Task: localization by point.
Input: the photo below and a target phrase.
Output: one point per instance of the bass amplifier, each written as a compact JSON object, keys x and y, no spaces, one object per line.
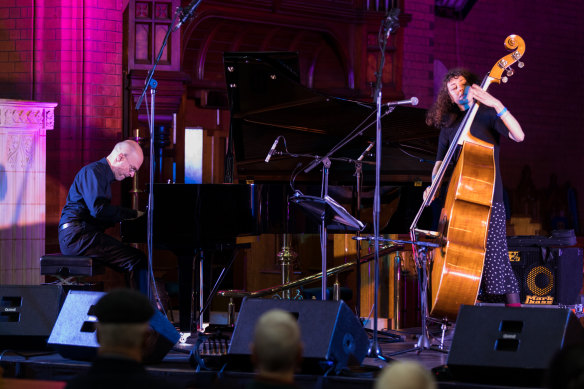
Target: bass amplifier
{"x":548,"y":271}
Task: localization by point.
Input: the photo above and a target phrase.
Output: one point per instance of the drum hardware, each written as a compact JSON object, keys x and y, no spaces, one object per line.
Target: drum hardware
{"x":444,"y":324}
{"x":397,"y":281}
{"x":297,"y":295}
{"x":287,"y":258}
{"x":214,"y":290}
{"x":397,"y":297}
{"x":424,"y":341}
{"x":135,"y":192}
{"x":336,"y":288}
{"x":231,"y":312}
{"x":233,"y":293}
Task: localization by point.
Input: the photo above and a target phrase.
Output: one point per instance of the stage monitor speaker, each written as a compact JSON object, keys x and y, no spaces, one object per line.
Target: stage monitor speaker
{"x":511,"y":346}
{"x":330,"y":331}
{"x":74,"y":333}
{"x":27,"y":315}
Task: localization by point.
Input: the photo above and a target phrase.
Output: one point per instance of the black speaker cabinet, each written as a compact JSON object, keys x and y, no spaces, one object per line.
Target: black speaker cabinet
{"x":74,"y":335}
{"x":27,"y":315}
{"x":547,"y":275}
{"x":330,"y":331}
{"x":511,"y":346}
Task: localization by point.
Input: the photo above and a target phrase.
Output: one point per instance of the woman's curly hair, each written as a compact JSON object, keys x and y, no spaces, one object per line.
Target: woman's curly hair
{"x":443,"y":112}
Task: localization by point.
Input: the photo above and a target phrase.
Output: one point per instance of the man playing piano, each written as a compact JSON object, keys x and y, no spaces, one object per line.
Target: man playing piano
{"x":88,"y":212}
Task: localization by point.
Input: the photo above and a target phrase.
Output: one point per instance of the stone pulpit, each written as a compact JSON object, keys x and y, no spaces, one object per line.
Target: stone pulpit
{"x":23,"y":126}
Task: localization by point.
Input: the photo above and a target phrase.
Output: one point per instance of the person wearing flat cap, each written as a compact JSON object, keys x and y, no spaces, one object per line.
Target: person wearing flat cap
{"x":122,"y":330}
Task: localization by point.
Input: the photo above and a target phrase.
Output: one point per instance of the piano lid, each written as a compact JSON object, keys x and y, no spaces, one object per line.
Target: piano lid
{"x":267,"y":100}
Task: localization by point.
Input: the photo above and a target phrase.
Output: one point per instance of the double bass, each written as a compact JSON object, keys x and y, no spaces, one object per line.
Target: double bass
{"x":457,"y":264}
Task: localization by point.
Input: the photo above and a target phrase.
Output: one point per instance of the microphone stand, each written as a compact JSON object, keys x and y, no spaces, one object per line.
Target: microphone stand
{"x":325,"y":160}
{"x":151,"y":83}
{"x":385,"y":30}
{"x":358,"y":174}
{"x":357,"y":131}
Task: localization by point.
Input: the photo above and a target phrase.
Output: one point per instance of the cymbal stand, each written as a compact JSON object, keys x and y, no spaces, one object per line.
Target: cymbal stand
{"x":286,"y":257}
{"x":326,"y":164}
{"x":358,"y":178}
{"x":397,"y":296}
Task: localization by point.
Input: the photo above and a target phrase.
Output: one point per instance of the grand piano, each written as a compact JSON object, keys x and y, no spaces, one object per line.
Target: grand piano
{"x":266,"y":101}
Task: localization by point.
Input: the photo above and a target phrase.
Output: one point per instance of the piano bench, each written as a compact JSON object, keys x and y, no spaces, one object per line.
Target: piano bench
{"x":70,"y":269}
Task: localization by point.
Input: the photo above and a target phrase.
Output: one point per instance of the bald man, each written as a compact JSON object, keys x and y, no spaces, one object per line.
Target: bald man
{"x":276,"y":350}
{"x":88,"y":212}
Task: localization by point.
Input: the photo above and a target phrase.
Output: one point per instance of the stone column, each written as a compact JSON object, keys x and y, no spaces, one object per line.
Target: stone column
{"x":23,"y":126}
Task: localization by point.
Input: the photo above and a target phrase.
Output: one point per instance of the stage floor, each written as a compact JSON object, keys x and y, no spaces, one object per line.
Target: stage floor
{"x":177,"y":367}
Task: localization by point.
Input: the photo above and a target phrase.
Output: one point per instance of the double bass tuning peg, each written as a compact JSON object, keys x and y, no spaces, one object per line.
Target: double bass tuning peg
{"x":510,"y":72}
{"x":520,"y":64}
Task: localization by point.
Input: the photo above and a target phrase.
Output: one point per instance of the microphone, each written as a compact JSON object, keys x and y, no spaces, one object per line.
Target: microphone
{"x":412,"y":101}
{"x":391,"y":22}
{"x":368,"y":149}
{"x":187,"y":13}
{"x":271,"y":152}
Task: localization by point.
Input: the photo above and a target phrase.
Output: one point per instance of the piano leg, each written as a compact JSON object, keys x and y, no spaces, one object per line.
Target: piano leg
{"x":190,"y":273}
{"x":186,"y":301}
{"x":201,"y":293}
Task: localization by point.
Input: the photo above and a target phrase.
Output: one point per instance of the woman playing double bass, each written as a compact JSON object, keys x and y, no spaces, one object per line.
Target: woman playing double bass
{"x":459,"y":89}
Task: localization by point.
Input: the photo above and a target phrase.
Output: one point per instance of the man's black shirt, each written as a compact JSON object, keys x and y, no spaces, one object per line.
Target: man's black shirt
{"x":89,"y":206}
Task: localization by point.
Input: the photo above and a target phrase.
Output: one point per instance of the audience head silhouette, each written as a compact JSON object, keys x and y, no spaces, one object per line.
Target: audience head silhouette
{"x":405,"y":375}
{"x":123,"y":323}
{"x":276,"y":348}
{"x":566,"y":370}
{"x":123,"y":329}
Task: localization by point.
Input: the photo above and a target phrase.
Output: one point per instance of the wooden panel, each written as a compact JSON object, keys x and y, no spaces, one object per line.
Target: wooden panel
{"x":160,"y":30}
{"x":143,"y":45}
{"x":148,"y":21}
